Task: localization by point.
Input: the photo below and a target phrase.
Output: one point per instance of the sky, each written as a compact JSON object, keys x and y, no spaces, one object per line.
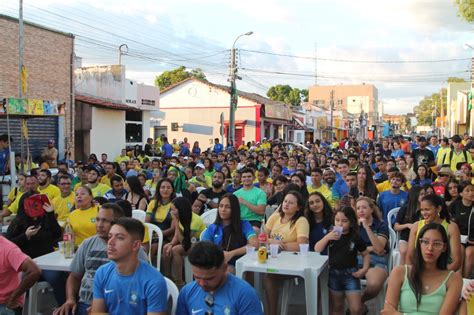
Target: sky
{"x":406,"y":48}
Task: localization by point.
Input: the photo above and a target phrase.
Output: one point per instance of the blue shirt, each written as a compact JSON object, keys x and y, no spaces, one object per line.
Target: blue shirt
{"x":339,"y":189}
{"x":397,"y":153}
{"x":316,"y":234}
{"x":230,"y":188}
{"x":3,"y":160}
{"x":286,"y":172}
{"x":167,"y":150}
{"x":218,"y":148}
{"x":215,"y":233}
{"x":388,"y":201}
{"x":380,"y":228}
{"x":235,"y":297}
{"x":143,"y":291}
{"x":434,"y":149}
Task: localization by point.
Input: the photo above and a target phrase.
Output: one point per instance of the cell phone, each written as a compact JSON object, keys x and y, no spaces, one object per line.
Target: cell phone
{"x":338,"y":230}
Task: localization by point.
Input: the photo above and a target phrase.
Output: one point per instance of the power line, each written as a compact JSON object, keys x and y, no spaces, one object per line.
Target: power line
{"x":353,"y":60}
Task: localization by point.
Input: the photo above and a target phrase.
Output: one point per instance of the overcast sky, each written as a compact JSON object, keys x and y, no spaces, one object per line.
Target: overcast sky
{"x":340,"y":33}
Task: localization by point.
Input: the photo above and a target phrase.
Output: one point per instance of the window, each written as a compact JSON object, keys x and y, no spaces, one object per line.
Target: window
{"x":339,"y":102}
{"x":133,"y":127}
{"x":318,"y":102}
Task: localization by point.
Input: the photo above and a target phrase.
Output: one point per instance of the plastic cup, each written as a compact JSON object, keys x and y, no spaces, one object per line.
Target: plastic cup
{"x":274,"y":250}
{"x":304,"y":249}
{"x":61,"y":247}
{"x":250,"y":250}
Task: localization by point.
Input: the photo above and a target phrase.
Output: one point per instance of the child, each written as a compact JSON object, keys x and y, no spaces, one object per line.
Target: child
{"x":343,"y":244}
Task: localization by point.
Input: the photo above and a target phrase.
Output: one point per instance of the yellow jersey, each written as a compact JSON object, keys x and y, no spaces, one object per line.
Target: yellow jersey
{"x":197,"y":226}
{"x":83,"y":223}
{"x":161,"y":212}
{"x":63,"y":205}
{"x":51,"y":191}
{"x":323,"y":190}
{"x":119,"y":159}
{"x":100,"y":190}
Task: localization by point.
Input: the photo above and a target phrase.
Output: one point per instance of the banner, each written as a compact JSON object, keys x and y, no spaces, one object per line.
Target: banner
{"x":33,"y":107}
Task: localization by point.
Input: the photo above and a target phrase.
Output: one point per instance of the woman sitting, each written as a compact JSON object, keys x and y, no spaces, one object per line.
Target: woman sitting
{"x":318,"y":212}
{"x":433,"y":210}
{"x":426,"y":287}
{"x":82,"y":219}
{"x":230,"y":232}
{"x":288,"y":228}
{"x":188,"y":227}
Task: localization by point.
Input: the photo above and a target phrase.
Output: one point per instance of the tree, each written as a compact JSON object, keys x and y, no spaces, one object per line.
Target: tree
{"x":287,"y":94}
{"x":168,"y":78}
{"x":305,"y":95}
{"x":465,"y":10}
{"x":430,"y":107}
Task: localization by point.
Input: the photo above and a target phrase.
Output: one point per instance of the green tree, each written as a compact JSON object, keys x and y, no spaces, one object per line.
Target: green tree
{"x":304,"y":95}
{"x":430,"y":107}
{"x":286,"y":94}
{"x":465,"y":10}
{"x":168,"y":78}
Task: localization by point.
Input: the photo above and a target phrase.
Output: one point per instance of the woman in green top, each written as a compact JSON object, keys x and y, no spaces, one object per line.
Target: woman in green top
{"x":426,"y":287}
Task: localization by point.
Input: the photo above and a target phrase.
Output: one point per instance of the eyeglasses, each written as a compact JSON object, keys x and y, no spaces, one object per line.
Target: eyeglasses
{"x":435,"y":244}
{"x":209,"y":300}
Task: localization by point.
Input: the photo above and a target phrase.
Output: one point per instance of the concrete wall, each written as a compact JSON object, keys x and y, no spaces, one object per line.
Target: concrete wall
{"x":108,"y":132}
{"x":199,"y":104}
{"x":48,"y":58}
{"x":107,"y":82}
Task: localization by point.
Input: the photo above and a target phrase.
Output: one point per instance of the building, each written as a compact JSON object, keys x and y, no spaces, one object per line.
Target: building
{"x":112,"y":112}
{"x":456,"y":107}
{"x":197,"y":107}
{"x":354,"y":99}
{"x":48,"y":59}
{"x":317,"y":122}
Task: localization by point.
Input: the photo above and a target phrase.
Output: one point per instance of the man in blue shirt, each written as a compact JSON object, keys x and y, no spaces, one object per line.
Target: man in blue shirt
{"x":127,"y":285}
{"x":434,"y":146}
{"x":167,"y":149}
{"x":214,"y":291}
{"x":4,"y":154}
{"x":218,"y":147}
{"x":339,"y":189}
{"x":394,"y":197}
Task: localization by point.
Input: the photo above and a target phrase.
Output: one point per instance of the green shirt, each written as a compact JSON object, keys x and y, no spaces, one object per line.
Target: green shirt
{"x":256,"y":197}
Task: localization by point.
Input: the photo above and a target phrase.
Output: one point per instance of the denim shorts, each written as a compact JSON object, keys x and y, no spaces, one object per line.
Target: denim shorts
{"x":342,"y":281}
{"x":376,"y":261}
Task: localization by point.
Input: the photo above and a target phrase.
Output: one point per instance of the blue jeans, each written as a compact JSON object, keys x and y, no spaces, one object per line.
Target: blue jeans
{"x":342,"y":281}
{"x":81,"y":308}
{"x":56,"y":279}
{"x":7,"y":311}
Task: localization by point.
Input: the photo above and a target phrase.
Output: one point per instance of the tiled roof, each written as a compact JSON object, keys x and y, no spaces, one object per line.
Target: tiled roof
{"x":100,"y":102}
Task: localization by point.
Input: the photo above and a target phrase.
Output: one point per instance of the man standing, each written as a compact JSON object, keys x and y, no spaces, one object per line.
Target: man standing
{"x":443,"y":150}
{"x":89,"y":257}
{"x":458,"y":155}
{"x":46,"y":188}
{"x":218,"y":147}
{"x":434,"y":145}
{"x":64,"y":203}
{"x":214,"y":194}
{"x":394,"y":197}
{"x":117,"y":192}
{"x":166,"y":149}
{"x":4,"y":154}
{"x":252,"y":199}
{"x":127,"y":285}
{"x":50,"y":154}
{"x":422,"y":155}
{"x":214,"y":289}
{"x":18,"y":274}
{"x":98,"y":189}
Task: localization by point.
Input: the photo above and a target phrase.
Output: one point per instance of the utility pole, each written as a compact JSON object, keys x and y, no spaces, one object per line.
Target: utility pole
{"x":233,"y":91}
{"x":21,"y":77}
{"x":123,"y":51}
{"x":331,"y":106}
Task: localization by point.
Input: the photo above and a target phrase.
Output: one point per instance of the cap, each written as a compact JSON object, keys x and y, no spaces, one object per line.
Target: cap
{"x":200,"y":165}
{"x":445,"y":170}
{"x":51,"y":141}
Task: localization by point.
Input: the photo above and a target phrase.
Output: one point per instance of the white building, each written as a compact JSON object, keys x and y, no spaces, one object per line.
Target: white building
{"x":111,"y":111}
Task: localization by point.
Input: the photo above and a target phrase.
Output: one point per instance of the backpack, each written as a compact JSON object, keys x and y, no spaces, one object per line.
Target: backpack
{"x":451,"y":157}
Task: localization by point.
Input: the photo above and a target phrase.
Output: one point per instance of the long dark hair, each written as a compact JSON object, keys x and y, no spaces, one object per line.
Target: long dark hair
{"x":157,"y":197}
{"x":427,"y":175}
{"x":303,"y":190}
{"x":350,"y":213}
{"x":327,"y":211}
{"x":447,"y":194}
{"x":185,"y":215}
{"x":412,"y":205}
{"x":370,"y":190}
{"x":437,"y":201}
{"x":118,"y":170}
{"x":414,"y":277}
{"x":300,"y":203}
{"x":135,"y":186}
{"x":211,"y":164}
{"x":236,"y":223}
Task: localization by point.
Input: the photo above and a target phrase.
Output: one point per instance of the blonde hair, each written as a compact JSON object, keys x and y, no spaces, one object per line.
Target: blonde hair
{"x":376,"y":214}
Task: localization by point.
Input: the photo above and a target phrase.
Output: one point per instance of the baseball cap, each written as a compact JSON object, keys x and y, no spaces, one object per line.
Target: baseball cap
{"x":199,"y":165}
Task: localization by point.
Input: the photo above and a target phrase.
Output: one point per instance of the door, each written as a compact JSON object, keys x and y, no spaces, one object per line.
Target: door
{"x":238,"y":137}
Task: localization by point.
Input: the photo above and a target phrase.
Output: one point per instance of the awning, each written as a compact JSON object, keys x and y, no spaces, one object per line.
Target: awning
{"x":299,"y":124}
{"x":103,"y":103}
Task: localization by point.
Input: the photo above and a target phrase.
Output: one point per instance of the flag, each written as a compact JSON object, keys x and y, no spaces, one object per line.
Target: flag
{"x":233,"y":96}
{"x":24,"y":78}
{"x":469,"y":101}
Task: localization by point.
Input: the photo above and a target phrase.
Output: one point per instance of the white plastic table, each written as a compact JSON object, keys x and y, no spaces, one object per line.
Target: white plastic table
{"x":52,"y":261}
{"x":311,"y":268}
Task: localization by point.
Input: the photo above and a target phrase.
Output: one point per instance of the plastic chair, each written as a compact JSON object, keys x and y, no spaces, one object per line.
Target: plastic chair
{"x":188,"y":272}
{"x":33,"y":298}
{"x":153,"y":228}
{"x":392,"y":214}
{"x":139,"y":215}
{"x":173,"y":293}
{"x":209,"y":217}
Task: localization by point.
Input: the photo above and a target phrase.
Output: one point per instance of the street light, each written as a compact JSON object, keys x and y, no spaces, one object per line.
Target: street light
{"x":233,"y":91}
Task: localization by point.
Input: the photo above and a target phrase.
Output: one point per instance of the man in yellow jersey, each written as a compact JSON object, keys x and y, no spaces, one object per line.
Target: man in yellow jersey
{"x":123,"y":157}
{"x":317,"y":185}
{"x":93,"y":175}
{"x":64,"y":203}
{"x":45,"y":186}
{"x":443,"y":151}
{"x":110,"y":171}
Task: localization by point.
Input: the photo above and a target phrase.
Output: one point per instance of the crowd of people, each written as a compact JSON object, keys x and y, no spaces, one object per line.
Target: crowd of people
{"x":334,"y":195}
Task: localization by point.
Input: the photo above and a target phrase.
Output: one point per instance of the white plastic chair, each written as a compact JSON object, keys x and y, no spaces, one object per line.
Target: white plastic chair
{"x":173,"y":293}
{"x":209,"y":217}
{"x":392,"y":214}
{"x":139,"y":215}
{"x":153,"y":228}
{"x":33,"y":298}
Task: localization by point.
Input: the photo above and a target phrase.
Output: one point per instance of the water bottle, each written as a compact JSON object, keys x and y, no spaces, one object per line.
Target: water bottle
{"x":68,"y":238}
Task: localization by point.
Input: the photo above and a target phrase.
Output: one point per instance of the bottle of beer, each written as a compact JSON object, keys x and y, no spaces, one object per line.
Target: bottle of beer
{"x":68,"y":238}
{"x":262,"y":244}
